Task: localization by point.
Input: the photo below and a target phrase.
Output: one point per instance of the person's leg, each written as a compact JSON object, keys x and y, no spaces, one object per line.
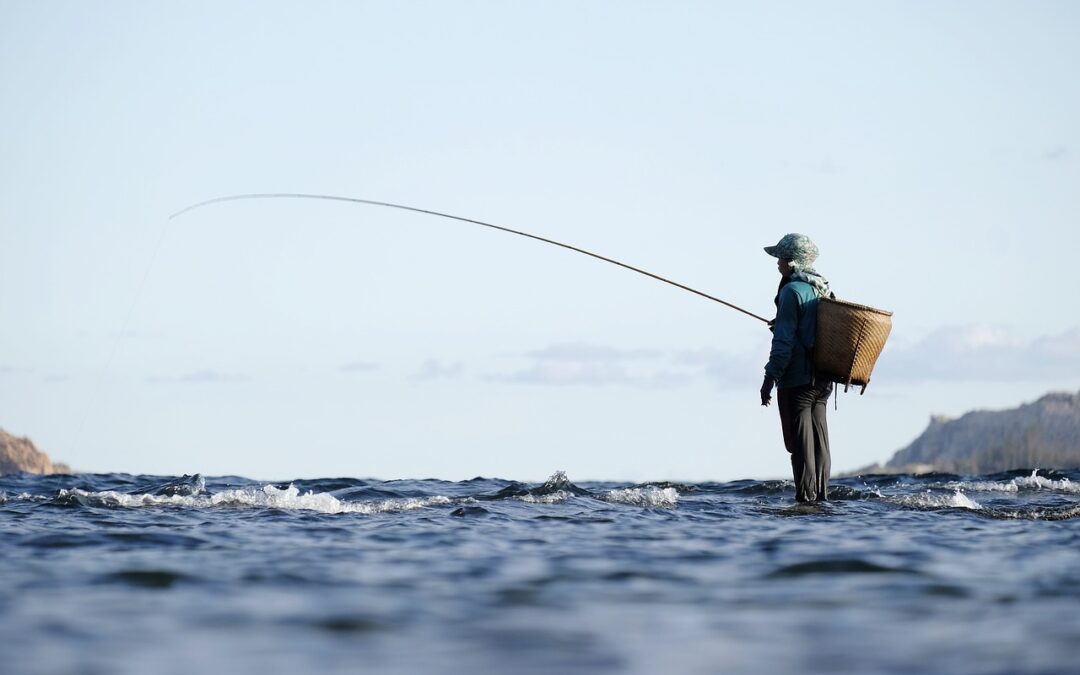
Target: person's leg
{"x":796,"y":420}
{"x":784,"y":405}
{"x":822,"y":452}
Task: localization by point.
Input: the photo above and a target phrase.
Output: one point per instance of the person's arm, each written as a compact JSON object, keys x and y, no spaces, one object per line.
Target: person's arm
{"x":784,"y":327}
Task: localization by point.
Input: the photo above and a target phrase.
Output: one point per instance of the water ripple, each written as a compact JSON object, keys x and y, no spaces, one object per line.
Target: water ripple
{"x":125,"y":573}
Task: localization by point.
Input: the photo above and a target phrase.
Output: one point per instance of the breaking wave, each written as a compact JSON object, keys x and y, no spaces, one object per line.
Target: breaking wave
{"x":191,"y":492}
{"x":557,"y":497}
{"x":1034,"y":482}
{"x":930,"y":500}
{"x":650,"y":496}
{"x":1016,"y":495}
{"x":269,"y":496}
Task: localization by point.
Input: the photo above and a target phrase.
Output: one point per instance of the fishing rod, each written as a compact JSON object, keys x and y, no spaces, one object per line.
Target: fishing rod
{"x":371,"y":202}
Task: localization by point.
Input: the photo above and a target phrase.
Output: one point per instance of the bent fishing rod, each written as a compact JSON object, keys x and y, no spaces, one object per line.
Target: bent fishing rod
{"x":371,"y":202}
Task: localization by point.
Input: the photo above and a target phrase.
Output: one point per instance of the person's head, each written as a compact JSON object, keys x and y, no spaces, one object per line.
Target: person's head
{"x":794,"y":253}
{"x":786,"y":267}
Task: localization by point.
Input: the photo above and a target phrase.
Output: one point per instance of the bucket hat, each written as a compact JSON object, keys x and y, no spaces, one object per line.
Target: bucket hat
{"x":796,"y":247}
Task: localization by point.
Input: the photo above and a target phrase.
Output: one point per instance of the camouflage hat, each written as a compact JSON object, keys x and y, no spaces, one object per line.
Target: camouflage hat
{"x":796,"y":247}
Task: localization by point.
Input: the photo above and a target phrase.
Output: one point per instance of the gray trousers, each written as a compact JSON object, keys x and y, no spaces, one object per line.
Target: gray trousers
{"x":806,"y":437}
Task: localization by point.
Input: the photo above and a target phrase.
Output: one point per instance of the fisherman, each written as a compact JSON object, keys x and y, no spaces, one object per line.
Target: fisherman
{"x":801,"y":400}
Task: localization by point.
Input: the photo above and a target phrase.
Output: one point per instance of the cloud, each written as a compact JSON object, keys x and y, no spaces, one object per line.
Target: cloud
{"x":584,"y":352}
{"x":1060,"y":348}
{"x":827,"y":166}
{"x":972,"y":353}
{"x":550,"y":371}
{"x":982,"y":353}
{"x":132,"y":334}
{"x":15,"y":370}
{"x":358,"y":367}
{"x":56,"y":378}
{"x":433,"y":369}
{"x":1058,"y":153}
{"x":201,"y":377}
{"x":726,"y":369}
{"x":582,"y":364}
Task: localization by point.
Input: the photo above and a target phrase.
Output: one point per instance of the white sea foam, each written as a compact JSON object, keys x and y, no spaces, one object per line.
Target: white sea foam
{"x":665,"y":498}
{"x":929,"y":500}
{"x":1032,"y":482}
{"x":323,"y":502}
{"x":113,"y":498}
{"x":268,"y":496}
{"x":557,"y":497}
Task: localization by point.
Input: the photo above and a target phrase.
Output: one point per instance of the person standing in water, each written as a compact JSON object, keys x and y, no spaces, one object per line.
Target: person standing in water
{"x":801,"y":400}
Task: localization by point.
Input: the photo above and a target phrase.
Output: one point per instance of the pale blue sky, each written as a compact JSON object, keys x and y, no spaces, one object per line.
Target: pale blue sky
{"x":932,"y":150}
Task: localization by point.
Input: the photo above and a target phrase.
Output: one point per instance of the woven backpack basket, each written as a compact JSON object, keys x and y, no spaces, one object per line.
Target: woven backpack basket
{"x":849,"y":340}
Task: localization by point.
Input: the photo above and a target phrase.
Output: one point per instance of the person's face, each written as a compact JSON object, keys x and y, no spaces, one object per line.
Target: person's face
{"x":785,"y":267}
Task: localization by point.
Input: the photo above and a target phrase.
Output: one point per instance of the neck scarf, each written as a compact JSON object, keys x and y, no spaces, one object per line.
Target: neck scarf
{"x":819,"y":283}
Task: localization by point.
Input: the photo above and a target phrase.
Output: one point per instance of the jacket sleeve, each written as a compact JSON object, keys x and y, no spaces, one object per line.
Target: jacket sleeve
{"x":784,"y":327}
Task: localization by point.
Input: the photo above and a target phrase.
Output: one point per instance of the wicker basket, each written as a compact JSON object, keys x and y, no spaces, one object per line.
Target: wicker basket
{"x":849,"y":340}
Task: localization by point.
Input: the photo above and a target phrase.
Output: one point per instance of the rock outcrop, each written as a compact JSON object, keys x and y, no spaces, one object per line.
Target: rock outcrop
{"x":19,"y":454}
{"x":1043,"y":434}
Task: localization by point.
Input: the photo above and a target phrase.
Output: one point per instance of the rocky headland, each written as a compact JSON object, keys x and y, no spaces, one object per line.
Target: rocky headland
{"x":1044,"y":434}
{"x":19,"y":454}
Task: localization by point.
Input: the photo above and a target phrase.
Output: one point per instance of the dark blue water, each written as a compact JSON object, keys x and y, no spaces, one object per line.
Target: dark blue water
{"x":898,"y":574}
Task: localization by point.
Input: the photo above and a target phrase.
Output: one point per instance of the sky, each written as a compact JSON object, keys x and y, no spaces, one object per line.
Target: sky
{"x":931,"y":150}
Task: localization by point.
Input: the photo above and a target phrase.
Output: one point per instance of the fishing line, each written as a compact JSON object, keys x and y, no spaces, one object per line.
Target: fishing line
{"x":370,"y":202}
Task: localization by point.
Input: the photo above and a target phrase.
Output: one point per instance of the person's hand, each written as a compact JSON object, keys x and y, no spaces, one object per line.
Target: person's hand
{"x":772,"y":325}
{"x":766,"y":391}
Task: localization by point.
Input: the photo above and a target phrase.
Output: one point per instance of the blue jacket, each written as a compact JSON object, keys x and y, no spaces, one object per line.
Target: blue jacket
{"x":793,"y":335}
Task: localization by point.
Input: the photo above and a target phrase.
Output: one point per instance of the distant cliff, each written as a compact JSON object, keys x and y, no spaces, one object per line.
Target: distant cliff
{"x":1043,"y":434}
{"x":19,"y":454}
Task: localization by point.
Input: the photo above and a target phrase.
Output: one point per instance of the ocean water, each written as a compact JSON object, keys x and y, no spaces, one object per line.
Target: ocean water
{"x":897,"y":574}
